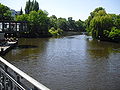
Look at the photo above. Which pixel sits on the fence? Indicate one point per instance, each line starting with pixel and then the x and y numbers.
pixel 12 78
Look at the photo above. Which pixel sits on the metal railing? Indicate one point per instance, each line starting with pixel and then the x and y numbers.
pixel 12 78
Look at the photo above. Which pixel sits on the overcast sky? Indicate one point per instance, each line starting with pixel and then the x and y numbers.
pixel 78 9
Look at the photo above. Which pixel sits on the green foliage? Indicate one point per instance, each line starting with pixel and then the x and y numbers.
pixel 106 33
pixel 31 6
pixel 53 21
pixel 5 13
pixel 97 12
pixel 62 23
pixel 23 17
pixel 55 32
pixel 102 25
pixel 71 24
pixel 38 22
pixel 80 25
pixel 66 25
pixel 115 33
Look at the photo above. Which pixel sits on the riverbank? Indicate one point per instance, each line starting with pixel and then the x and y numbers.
pixel 65 33
pixel 69 33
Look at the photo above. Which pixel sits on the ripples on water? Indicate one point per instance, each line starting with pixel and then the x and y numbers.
pixel 69 63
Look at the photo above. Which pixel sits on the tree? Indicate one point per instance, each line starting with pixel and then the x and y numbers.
pixel 23 17
pixel 92 15
pixel 53 21
pixel 62 24
pixel 27 7
pixel 21 12
pixel 31 6
pixel 5 13
pixel 80 25
pixel 103 26
pixel 100 23
pixel 38 22
pixel 36 6
pixel 71 24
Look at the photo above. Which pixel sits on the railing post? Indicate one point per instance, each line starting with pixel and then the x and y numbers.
pixel 12 80
pixel 18 78
pixel 3 25
pixel 35 88
pixel 6 83
pixel 5 67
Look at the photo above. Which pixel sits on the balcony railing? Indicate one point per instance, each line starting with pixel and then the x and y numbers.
pixel 12 78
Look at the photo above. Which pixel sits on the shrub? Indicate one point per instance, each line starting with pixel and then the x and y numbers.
pixel 56 32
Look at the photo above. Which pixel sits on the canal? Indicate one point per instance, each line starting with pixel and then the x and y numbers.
pixel 69 63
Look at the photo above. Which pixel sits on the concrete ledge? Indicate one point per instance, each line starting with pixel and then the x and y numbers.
pixel 6 48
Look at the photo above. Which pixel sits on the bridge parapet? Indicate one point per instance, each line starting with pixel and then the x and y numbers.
pixel 12 78
pixel 13 26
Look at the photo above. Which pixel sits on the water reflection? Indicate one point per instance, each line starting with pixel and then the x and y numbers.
pixel 100 49
pixel 27 48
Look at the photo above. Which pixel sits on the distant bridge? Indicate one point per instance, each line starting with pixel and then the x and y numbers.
pixel 13 26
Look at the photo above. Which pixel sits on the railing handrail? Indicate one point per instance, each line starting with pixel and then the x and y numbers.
pixel 24 75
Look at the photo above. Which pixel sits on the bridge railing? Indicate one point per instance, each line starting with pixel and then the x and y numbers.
pixel 13 26
pixel 12 78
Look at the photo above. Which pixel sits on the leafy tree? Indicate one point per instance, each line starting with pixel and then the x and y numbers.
pixel 71 24
pixel 103 26
pixel 5 13
pixel 27 7
pixel 62 23
pixel 53 21
pixel 23 17
pixel 31 6
pixel 92 15
pixel 95 12
pixel 36 6
pixel 80 25
pixel 100 23
pixel 116 20
pixel 38 22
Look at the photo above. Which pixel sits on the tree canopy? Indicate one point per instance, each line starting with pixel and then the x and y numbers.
pixel 21 12
pixel 102 25
pixel 99 24
pixel 38 22
pixel 31 6
pixel 5 13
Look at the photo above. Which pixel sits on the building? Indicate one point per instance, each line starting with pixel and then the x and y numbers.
pixel 14 12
